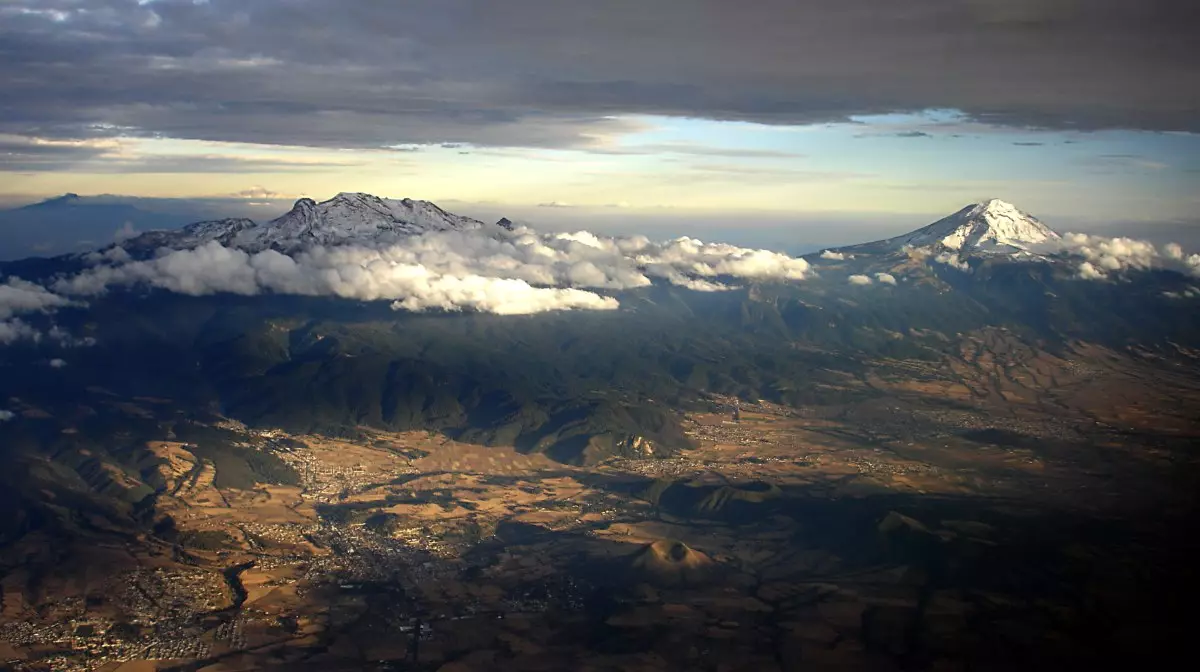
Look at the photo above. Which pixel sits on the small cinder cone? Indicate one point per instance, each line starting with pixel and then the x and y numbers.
pixel 673 563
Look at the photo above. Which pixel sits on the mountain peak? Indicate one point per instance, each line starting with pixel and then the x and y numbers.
pixel 65 199
pixel 353 197
pixel 993 225
pixel 996 208
pixel 994 204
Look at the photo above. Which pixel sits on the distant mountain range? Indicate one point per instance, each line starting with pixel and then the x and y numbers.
pixel 73 223
pixel 363 219
pixel 361 314
pixel 342 314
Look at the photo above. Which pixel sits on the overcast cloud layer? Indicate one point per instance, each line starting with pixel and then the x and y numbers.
pixel 547 73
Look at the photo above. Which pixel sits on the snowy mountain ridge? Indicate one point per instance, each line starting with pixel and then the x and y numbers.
pixel 344 219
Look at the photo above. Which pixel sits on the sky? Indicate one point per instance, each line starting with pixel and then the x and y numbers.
pixel 678 114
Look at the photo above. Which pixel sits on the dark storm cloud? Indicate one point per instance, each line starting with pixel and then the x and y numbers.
pixel 546 73
pixel 20 154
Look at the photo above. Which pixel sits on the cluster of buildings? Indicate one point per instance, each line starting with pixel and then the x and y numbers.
pixel 162 617
pixel 329 482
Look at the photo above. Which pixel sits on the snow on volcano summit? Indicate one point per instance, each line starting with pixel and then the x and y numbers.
pixel 347 218
pixel 991 225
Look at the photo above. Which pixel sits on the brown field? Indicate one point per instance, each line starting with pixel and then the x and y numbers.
pixel 863 535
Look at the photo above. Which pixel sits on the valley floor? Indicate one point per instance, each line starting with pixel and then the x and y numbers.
pixel 1002 508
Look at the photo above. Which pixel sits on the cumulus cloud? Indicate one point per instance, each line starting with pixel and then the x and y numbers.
pixel 886 278
pixel 859 280
pixel 20 296
pixel 12 331
pixel 833 256
pixel 126 232
pixel 499 271
pixel 114 254
pixel 1095 257
pixel 57 363
pixel 944 257
pixel 1112 254
pixel 500 296
pixel 5 416
pixel 953 260
pixel 1103 256
pixel 1089 272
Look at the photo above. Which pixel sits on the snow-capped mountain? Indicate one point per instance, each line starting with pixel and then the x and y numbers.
pixel 991 226
pixel 344 219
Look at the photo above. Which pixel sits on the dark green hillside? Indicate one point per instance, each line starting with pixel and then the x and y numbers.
pixel 579 386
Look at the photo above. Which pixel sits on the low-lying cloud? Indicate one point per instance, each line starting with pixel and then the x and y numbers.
pixel 1102 256
pixel 18 296
pixel 1095 257
pixel 16 330
pixel 944 257
pixel 952 260
pixel 503 272
pixel 1190 292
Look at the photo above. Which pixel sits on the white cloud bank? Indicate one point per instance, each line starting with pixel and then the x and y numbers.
pixel 518 272
pixel 19 296
pixel 503 272
pixel 1095 257
pixel 1102 256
